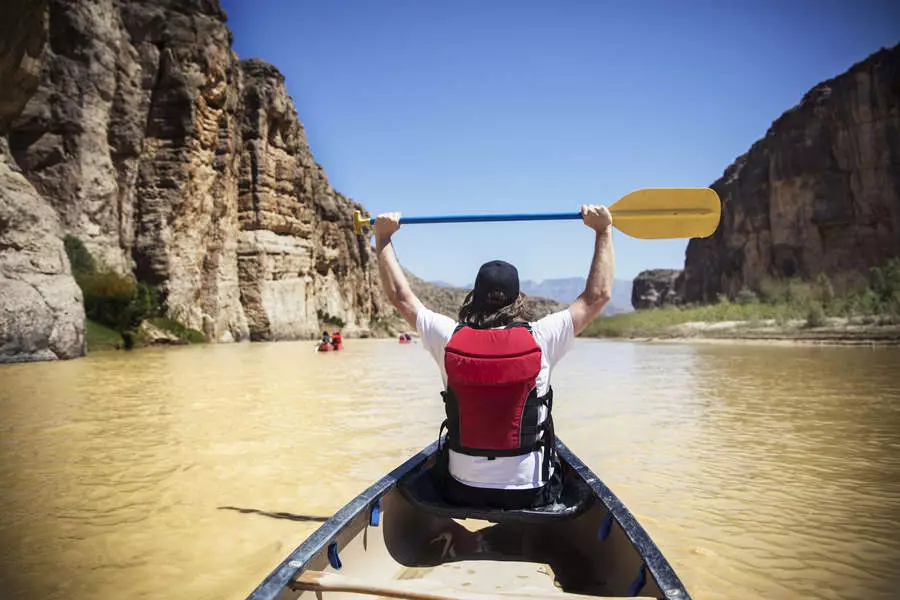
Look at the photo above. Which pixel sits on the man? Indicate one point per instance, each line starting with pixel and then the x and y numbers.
pixel 496 371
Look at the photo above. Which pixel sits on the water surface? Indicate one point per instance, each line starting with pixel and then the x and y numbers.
pixel 760 471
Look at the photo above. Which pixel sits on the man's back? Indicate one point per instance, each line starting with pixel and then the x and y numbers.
pixel 554 334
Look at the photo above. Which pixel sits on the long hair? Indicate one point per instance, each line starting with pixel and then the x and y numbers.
pixel 495 311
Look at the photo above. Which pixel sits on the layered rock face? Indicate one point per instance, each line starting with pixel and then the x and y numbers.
pixel 819 194
pixel 133 137
pixel 299 260
pixel 41 312
pixel 171 159
pixel 655 288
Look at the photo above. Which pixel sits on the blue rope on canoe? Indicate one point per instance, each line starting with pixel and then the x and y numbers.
pixel 333 557
pixel 638 584
pixel 375 515
pixel 605 527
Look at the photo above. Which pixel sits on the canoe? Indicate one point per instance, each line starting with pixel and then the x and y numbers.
pixel 324 347
pixel 398 539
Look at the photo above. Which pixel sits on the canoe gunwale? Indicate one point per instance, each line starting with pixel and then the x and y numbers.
pixel 654 560
pixel 297 561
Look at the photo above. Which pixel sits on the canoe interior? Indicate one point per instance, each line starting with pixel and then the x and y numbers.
pixel 597 550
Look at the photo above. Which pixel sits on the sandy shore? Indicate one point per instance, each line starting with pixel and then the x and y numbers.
pixel 836 332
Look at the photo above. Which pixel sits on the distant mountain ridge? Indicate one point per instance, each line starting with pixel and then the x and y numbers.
pixel 447 299
pixel 566 289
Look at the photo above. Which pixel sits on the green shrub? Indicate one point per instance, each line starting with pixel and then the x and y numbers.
pixel 824 290
pixel 885 284
pixel 773 291
pixel 108 299
pixel 815 316
pixel 117 301
pixel 79 257
pixel 100 337
pixel 328 319
pixel 147 303
pixel 800 292
pixel 746 296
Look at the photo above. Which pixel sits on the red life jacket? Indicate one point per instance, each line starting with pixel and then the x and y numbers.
pixel 491 399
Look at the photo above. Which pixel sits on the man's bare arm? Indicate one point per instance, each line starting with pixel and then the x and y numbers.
pixel 598 287
pixel 393 281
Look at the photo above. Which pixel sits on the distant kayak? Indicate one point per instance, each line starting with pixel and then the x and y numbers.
pixel 329 347
pixel 405 339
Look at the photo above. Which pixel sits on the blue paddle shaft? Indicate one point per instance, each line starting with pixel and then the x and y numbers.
pixel 485 218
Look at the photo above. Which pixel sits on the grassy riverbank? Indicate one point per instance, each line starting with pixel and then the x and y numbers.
pixel 158 330
pixel 100 337
pixel 848 310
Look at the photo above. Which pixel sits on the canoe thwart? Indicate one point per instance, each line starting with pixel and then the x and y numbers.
pixel 320 581
pixel 420 489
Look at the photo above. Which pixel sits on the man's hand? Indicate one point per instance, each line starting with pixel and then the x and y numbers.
pixel 596 217
pixel 385 226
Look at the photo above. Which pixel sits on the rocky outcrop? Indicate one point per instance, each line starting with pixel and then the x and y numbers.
pixel 655 288
pixel 820 193
pixel 41 312
pixel 173 160
pixel 152 335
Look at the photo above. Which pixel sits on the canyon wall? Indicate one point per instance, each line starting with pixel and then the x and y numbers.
pixel 175 161
pixel 41 312
pixel 820 193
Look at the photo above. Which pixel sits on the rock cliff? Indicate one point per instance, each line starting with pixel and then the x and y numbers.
pixel 298 258
pixel 820 193
pixel 173 160
pixel 41 312
pixel 655 288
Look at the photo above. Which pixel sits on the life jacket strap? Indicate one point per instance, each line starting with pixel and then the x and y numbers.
pixel 441 435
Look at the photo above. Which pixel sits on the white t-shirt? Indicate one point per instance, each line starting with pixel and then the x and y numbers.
pixel 555 334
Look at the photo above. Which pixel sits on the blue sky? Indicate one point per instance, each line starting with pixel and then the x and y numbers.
pixel 519 106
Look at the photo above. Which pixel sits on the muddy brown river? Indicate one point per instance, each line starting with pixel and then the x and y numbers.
pixel 760 471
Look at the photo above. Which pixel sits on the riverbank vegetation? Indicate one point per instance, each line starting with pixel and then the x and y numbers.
pixel 116 306
pixel 849 306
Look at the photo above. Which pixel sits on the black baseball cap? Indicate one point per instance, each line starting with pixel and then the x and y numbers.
pixel 496 276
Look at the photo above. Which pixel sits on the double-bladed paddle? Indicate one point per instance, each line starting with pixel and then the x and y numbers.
pixel 648 214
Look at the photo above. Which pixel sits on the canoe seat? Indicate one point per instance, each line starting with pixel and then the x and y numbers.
pixel 420 490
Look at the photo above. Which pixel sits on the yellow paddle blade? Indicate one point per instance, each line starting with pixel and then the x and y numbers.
pixel 667 213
